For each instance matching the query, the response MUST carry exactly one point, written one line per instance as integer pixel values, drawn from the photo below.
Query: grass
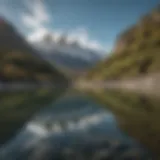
(24, 68)
(129, 66)
(140, 54)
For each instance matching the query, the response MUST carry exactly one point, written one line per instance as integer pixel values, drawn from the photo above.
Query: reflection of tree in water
(137, 115)
(142, 124)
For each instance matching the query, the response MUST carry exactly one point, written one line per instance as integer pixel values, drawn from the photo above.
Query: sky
(93, 23)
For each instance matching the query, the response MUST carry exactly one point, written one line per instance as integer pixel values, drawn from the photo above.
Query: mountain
(69, 57)
(19, 62)
(136, 51)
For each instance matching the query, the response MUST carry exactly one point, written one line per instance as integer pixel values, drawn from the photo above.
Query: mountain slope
(136, 51)
(69, 56)
(19, 62)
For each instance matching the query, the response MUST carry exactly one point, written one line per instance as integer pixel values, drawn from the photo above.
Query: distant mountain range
(69, 57)
(19, 62)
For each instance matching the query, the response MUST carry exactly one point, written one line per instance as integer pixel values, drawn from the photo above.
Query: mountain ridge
(136, 51)
(20, 62)
(64, 54)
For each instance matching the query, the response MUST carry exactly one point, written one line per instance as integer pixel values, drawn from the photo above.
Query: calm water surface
(76, 126)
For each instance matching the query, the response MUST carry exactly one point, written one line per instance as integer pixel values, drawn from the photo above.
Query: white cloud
(37, 34)
(37, 15)
(80, 35)
(95, 45)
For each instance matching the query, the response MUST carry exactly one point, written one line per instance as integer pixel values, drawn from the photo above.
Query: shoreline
(147, 84)
(24, 86)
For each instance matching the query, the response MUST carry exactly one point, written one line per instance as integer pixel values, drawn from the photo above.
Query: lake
(45, 125)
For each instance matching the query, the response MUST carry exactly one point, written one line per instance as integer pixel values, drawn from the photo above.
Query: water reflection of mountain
(91, 132)
(137, 115)
(75, 111)
(17, 107)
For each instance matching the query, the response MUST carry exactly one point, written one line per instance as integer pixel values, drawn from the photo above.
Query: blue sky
(95, 23)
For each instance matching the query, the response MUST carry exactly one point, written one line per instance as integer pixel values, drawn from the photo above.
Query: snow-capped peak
(50, 43)
(65, 52)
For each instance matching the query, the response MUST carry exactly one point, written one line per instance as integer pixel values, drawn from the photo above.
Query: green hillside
(20, 63)
(136, 52)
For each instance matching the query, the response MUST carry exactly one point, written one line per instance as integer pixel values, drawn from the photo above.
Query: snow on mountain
(66, 53)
